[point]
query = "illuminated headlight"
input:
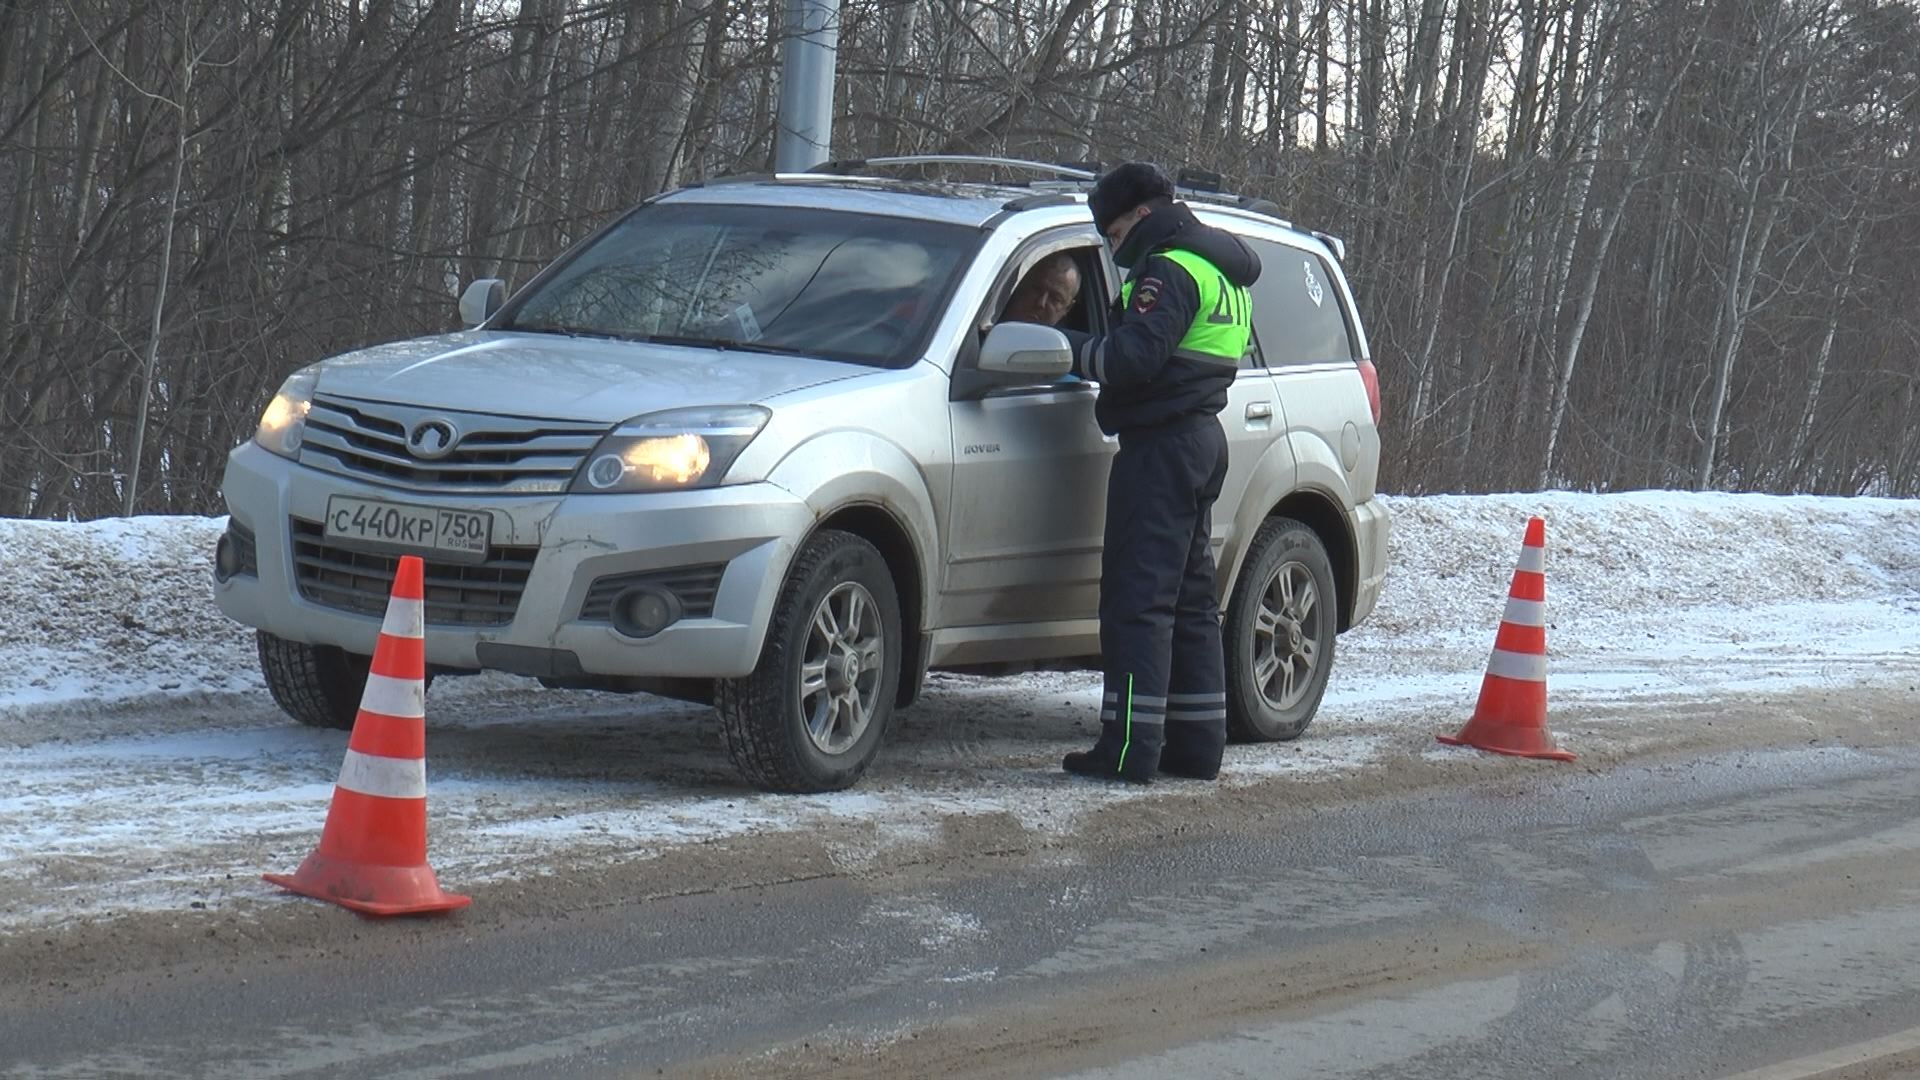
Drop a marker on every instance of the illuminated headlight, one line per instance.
(285, 419)
(671, 451)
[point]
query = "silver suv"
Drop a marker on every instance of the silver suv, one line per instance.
(763, 444)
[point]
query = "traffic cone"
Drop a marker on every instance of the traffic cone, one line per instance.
(1511, 715)
(372, 856)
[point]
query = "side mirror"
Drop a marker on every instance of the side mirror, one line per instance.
(1026, 350)
(481, 300)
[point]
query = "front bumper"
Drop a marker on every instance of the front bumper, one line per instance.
(751, 528)
(1371, 529)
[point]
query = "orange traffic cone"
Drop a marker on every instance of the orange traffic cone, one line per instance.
(372, 856)
(1511, 715)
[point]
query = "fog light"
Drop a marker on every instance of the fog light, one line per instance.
(226, 559)
(642, 612)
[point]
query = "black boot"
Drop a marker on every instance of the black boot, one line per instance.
(1196, 735)
(1192, 762)
(1128, 746)
(1115, 757)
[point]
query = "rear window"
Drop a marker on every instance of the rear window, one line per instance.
(1297, 315)
(829, 283)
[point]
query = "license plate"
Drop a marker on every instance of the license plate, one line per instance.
(419, 529)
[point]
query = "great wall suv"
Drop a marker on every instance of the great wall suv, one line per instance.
(763, 444)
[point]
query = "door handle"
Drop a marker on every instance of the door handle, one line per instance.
(1260, 410)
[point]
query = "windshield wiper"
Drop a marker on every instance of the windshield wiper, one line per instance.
(724, 344)
(571, 331)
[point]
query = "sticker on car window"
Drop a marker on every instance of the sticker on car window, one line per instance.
(1314, 292)
(749, 326)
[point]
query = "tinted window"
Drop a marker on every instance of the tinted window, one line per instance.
(831, 283)
(1296, 310)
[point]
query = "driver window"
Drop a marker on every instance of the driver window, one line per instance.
(1055, 289)
(1059, 288)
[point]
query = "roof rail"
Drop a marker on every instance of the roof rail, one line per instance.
(1057, 180)
(1067, 171)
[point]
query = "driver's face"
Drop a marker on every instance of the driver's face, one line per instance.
(1044, 300)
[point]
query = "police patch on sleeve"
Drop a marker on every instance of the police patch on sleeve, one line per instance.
(1146, 294)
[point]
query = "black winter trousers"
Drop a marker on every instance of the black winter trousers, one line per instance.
(1159, 621)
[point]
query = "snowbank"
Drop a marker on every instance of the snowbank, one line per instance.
(112, 610)
(122, 609)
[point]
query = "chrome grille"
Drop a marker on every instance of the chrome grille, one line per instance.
(695, 586)
(458, 594)
(368, 440)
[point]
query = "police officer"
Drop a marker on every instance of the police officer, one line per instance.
(1182, 325)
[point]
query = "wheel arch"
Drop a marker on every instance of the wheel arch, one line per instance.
(879, 526)
(860, 483)
(1319, 511)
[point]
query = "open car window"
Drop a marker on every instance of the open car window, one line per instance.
(1086, 313)
(858, 287)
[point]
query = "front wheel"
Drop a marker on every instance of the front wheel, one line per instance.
(811, 716)
(1280, 628)
(318, 685)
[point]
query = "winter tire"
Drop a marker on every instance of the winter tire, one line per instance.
(318, 685)
(812, 715)
(1279, 634)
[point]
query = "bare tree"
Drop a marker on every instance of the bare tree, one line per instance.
(1572, 240)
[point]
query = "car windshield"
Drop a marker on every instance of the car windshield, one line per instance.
(827, 283)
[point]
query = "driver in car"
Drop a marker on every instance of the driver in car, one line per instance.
(1047, 293)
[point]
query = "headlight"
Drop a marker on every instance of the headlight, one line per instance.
(285, 419)
(672, 450)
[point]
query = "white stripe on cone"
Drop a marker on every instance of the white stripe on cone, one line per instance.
(405, 618)
(1533, 559)
(1523, 667)
(1525, 612)
(388, 696)
(386, 777)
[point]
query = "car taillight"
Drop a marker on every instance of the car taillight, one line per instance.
(1371, 378)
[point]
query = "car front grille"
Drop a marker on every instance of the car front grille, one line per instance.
(695, 586)
(458, 594)
(369, 441)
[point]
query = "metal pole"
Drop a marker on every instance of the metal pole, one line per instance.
(805, 128)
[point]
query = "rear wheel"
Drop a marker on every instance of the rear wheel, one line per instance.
(1279, 634)
(812, 715)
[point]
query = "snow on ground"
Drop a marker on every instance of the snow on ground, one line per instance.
(193, 783)
(113, 610)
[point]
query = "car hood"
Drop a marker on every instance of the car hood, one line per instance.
(550, 377)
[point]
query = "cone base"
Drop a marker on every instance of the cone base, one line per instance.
(370, 890)
(1538, 750)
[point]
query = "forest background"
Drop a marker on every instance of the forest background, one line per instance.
(1599, 244)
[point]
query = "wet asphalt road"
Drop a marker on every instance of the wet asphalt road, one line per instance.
(1697, 919)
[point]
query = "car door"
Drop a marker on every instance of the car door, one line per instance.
(1029, 487)
(1256, 426)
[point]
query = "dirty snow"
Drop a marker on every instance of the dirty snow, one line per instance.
(145, 767)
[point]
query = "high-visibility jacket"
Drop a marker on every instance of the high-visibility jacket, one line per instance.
(1181, 330)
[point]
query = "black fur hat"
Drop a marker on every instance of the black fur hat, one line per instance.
(1126, 187)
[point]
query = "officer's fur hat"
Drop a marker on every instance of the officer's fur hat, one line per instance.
(1126, 187)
